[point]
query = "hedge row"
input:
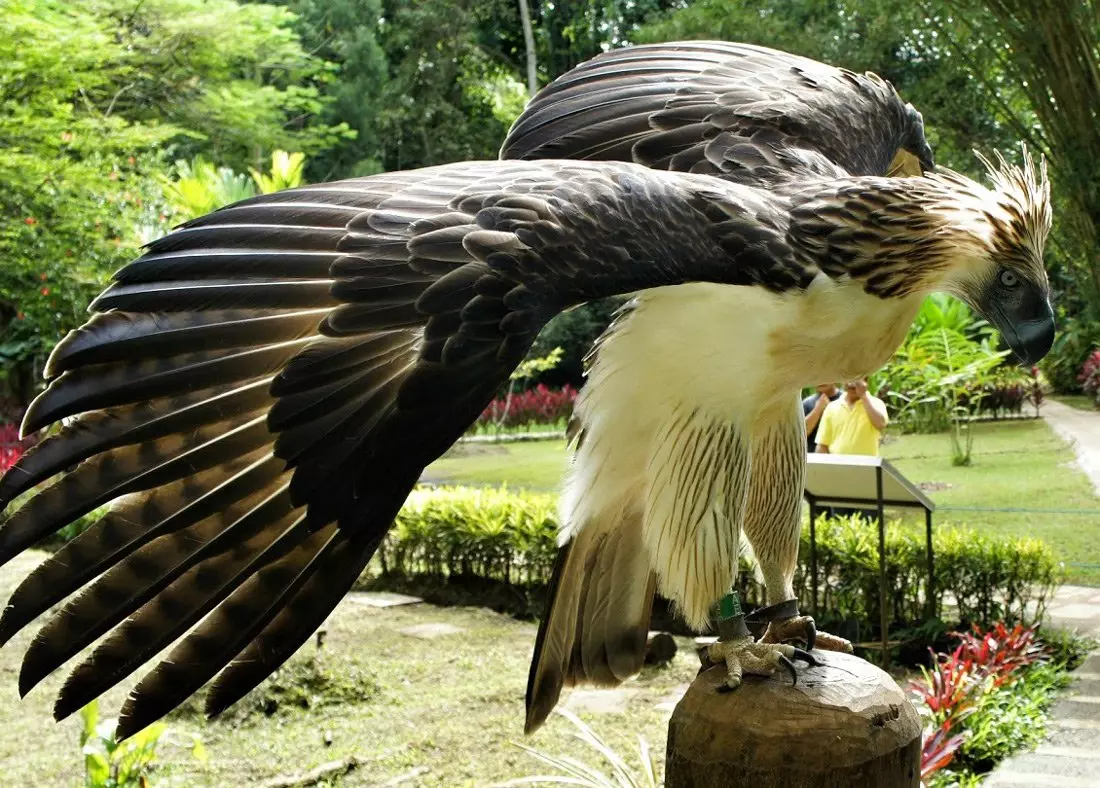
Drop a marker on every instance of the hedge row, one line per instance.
(497, 535)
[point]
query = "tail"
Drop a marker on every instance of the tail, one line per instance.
(597, 619)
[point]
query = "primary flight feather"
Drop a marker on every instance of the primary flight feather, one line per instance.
(258, 393)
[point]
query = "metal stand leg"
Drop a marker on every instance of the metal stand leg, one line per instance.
(884, 618)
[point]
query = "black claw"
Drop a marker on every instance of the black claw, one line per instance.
(724, 688)
(807, 657)
(811, 634)
(790, 669)
(704, 658)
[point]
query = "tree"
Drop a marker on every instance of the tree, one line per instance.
(346, 34)
(529, 46)
(95, 97)
(1049, 53)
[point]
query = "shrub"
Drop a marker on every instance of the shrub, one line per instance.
(494, 534)
(986, 700)
(488, 533)
(1078, 337)
(1090, 376)
(989, 578)
(536, 406)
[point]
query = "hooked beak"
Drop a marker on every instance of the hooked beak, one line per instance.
(1028, 328)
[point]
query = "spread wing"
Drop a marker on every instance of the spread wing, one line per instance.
(256, 395)
(746, 113)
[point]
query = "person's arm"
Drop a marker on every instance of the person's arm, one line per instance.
(825, 433)
(876, 416)
(814, 416)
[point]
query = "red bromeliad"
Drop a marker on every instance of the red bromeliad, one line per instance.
(951, 688)
(1001, 651)
(938, 749)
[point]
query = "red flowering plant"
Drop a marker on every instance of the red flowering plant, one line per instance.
(539, 405)
(1090, 376)
(951, 689)
(11, 448)
(1001, 651)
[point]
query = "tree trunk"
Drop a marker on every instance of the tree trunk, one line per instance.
(529, 42)
(844, 725)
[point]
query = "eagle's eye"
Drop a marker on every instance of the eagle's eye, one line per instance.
(1008, 278)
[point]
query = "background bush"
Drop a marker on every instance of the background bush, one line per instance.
(456, 534)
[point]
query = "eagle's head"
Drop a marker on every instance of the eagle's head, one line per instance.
(1000, 233)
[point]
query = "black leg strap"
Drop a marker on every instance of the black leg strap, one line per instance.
(758, 620)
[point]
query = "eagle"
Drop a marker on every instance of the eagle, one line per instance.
(255, 396)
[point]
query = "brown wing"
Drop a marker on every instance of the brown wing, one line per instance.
(747, 113)
(256, 395)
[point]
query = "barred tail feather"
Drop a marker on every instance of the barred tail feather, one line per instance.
(597, 619)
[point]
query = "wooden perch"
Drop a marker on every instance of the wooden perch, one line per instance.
(846, 724)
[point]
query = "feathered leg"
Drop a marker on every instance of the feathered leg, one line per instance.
(773, 519)
(696, 484)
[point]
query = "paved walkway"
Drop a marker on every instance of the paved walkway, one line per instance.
(1070, 755)
(1082, 429)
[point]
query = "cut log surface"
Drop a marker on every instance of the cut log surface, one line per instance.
(845, 724)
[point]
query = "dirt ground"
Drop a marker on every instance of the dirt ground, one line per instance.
(421, 695)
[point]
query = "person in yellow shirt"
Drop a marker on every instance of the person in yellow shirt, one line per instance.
(852, 424)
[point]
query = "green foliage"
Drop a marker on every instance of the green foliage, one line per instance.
(946, 355)
(75, 179)
(487, 533)
(1011, 717)
(1076, 338)
(109, 763)
(1066, 647)
(990, 696)
(346, 34)
(495, 534)
(994, 579)
(197, 187)
(574, 332)
(948, 371)
(287, 171)
(234, 76)
(436, 106)
(94, 97)
(990, 579)
(534, 366)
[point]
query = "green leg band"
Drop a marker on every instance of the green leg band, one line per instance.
(731, 619)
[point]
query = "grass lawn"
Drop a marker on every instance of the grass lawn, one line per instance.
(1078, 401)
(1017, 465)
(443, 712)
(530, 465)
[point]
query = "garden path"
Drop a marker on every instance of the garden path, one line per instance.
(1070, 755)
(1082, 429)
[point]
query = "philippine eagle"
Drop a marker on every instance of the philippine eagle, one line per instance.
(256, 395)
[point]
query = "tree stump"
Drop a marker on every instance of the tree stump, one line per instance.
(660, 648)
(846, 724)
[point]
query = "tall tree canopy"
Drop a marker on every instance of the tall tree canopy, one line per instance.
(96, 98)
